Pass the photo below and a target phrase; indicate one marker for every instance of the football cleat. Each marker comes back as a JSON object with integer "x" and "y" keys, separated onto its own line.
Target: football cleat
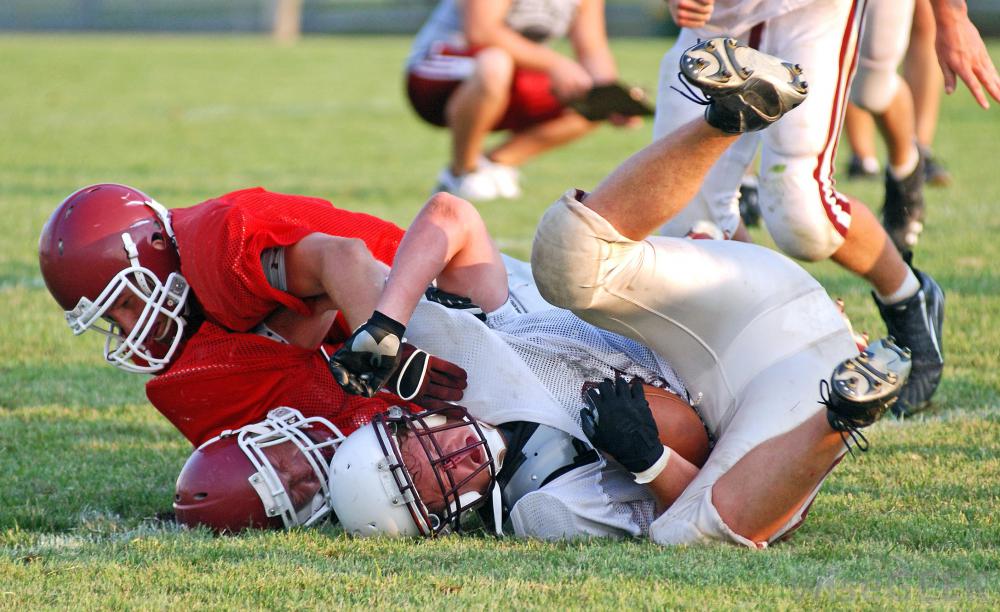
{"x": 745, "y": 90}
{"x": 750, "y": 200}
{"x": 863, "y": 387}
{"x": 506, "y": 178}
{"x": 863, "y": 169}
{"x": 934, "y": 173}
{"x": 917, "y": 324}
{"x": 903, "y": 210}
{"x": 475, "y": 186}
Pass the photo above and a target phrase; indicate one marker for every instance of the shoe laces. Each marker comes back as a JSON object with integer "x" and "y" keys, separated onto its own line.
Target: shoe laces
{"x": 844, "y": 426}
{"x": 690, "y": 94}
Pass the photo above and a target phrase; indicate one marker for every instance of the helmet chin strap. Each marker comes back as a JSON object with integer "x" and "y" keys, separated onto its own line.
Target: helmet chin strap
{"x": 498, "y": 448}
{"x": 162, "y": 214}
{"x": 132, "y": 252}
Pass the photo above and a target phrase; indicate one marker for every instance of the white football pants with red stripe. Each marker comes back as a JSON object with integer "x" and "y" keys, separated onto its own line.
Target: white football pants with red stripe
{"x": 805, "y": 215}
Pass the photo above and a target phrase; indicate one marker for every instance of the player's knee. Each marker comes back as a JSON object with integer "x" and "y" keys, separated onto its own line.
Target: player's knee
{"x": 800, "y": 221}
{"x": 874, "y": 89}
{"x": 494, "y": 69}
{"x": 565, "y": 258}
{"x": 806, "y": 244}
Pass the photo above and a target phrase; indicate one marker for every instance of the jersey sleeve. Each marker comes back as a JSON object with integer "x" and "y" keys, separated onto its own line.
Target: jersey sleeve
{"x": 225, "y": 380}
{"x": 220, "y": 242}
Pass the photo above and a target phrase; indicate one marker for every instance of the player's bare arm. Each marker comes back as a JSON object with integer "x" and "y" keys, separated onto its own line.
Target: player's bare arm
{"x": 691, "y": 13}
{"x": 962, "y": 54}
{"x": 306, "y": 332}
{"x": 447, "y": 242}
{"x": 343, "y": 269}
{"x": 485, "y": 27}
{"x": 590, "y": 42}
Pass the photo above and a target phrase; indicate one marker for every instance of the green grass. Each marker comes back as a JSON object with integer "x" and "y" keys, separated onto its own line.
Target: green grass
{"x": 88, "y": 465}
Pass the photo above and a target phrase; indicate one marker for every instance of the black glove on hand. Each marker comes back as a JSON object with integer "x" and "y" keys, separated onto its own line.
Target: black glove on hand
{"x": 451, "y": 300}
{"x": 426, "y": 380}
{"x": 618, "y": 422}
{"x": 369, "y": 357}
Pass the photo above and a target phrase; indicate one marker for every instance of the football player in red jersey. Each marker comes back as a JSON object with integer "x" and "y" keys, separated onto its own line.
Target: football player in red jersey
{"x": 227, "y": 301}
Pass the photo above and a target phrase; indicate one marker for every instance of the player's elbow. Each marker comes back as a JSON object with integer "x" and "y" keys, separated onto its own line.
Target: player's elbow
{"x": 449, "y": 210}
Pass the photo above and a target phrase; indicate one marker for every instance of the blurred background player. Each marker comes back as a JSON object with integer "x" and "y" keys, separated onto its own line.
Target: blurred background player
{"x": 922, "y": 74}
{"x": 479, "y": 66}
{"x": 879, "y": 90}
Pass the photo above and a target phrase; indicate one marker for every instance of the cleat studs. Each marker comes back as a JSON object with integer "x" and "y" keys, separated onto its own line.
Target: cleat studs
{"x": 731, "y": 42}
{"x": 797, "y": 68}
{"x": 746, "y": 72}
{"x": 710, "y": 45}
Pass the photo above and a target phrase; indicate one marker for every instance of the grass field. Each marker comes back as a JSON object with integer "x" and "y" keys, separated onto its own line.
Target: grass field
{"x": 88, "y": 466}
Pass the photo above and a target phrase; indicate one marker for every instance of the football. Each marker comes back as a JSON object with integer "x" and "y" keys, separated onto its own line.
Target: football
{"x": 679, "y": 425}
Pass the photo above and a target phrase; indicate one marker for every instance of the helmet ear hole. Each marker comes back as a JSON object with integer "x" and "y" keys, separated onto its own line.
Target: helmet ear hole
{"x": 200, "y": 496}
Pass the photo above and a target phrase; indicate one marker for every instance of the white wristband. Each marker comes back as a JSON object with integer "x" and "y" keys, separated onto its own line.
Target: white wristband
{"x": 650, "y": 474}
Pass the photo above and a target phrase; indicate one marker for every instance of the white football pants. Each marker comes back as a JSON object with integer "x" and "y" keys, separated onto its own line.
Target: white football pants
{"x": 749, "y": 331}
{"x": 805, "y": 215}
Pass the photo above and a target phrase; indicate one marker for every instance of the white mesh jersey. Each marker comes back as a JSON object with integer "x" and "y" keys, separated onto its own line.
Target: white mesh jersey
{"x": 531, "y": 366}
{"x": 537, "y": 20}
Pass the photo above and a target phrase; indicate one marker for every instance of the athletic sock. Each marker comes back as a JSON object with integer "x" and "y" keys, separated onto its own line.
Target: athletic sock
{"x": 901, "y": 172}
{"x": 909, "y": 288}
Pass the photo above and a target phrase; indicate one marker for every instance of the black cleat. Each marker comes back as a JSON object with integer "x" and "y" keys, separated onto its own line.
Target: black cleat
{"x": 934, "y": 173}
{"x": 857, "y": 170}
{"x": 745, "y": 90}
{"x": 903, "y": 210}
{"x": 749, "y": 201}
{"x": 863, "y": 387}
{"x": 917, "y": 324}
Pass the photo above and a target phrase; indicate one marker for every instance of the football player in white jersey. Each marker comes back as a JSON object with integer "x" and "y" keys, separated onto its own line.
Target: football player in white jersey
{"x": 751, "y": 334}
{"x": 807, "y": 217}
{"x": 878, "y": 89}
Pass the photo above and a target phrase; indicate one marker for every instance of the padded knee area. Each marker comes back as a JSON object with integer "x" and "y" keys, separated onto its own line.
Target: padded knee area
{"x": 874, "y": 87}
{"x": 797, "y": 217}
{"x": 570, "y": 243}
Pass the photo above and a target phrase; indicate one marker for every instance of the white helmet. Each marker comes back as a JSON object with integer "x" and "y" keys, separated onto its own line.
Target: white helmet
{"x": 373, "y": 492}
{"x": 230, "y": 483}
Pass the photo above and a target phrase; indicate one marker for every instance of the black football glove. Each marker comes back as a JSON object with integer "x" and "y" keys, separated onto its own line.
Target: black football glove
{"x": 426, "y": 380}
{"x": 618, "y": 422}
{"x": 458, "y": 302}
{"x": 369, "y": 357}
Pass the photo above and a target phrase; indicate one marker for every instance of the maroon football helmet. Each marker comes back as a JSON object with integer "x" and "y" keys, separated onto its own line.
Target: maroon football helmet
{"x": 267, "y": 475}
{"x": 106, "y": 239}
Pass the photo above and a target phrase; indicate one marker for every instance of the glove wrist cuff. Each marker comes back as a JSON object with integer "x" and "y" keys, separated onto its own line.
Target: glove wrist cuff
{"x": 650, "y": 473}
{"x": 387, "y": 324}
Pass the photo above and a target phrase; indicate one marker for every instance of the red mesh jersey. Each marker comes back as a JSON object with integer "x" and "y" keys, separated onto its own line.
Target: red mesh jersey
{"x": 224, "y": 380}
{"x": 220, "y": 242}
